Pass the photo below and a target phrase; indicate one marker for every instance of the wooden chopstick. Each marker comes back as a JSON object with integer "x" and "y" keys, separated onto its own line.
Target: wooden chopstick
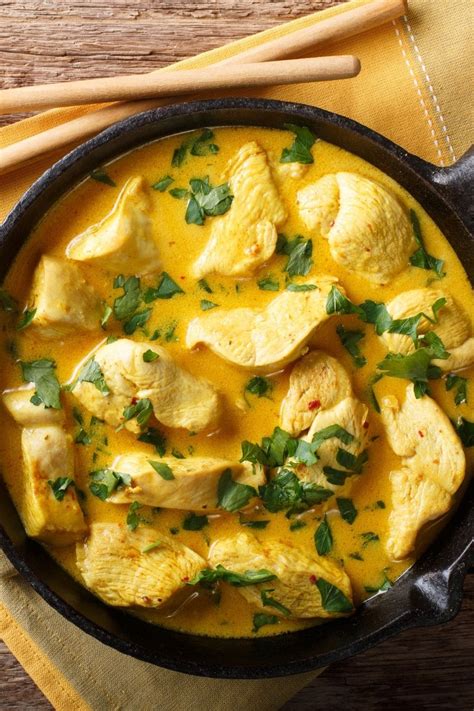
{"x": 187, "y": 81}
{"x": 337, "y": 27}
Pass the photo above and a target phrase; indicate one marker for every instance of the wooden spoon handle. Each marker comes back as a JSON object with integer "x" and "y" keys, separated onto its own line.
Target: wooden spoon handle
{"x": 191, "y": 81}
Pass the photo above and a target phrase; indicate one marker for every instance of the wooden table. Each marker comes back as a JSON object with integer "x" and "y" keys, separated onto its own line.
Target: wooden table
{"x": 40, "y": 41}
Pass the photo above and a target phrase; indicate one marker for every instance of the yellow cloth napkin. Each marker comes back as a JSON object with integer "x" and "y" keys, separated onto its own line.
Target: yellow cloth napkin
{"x": 413, "y": 88}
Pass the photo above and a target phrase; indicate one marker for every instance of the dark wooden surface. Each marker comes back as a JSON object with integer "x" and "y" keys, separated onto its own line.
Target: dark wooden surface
{"x": 429, "y": 669}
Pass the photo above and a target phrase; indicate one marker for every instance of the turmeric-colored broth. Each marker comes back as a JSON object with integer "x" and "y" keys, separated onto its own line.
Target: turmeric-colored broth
{"x": 180, "y": 244}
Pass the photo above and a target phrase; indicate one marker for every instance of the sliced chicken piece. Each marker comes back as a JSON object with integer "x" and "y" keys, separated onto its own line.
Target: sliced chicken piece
{"x": 193, "y": 488}
{"x": 179, "y": 399}
{"x": 124, "y": 241}
{"x": 433, "y": 467}
{"x": 368, "y": 230}
{"x": 317, "y": 382}
{"x": 64, "y": 301}
{"x": 289, "y": 171}
{"x": 19, "y": 405}
{"x": 47, "y": 456}
{"x": 264, "y": 339}
{"x": 297, "y": 574}
{"x": 351, "y": 415}
{"x": 116, "y": 566}
{"x": 453, "y": 326}
{"x": 245, "y": 237}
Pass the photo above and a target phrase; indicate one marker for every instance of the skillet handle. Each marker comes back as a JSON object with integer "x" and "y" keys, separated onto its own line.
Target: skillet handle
{"x": 455, "y": 183}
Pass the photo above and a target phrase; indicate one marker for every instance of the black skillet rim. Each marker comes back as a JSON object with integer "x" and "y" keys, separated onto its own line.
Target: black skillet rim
{"x": 430, "y": 593}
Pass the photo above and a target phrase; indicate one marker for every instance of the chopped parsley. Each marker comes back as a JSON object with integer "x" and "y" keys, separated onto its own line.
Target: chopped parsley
{"x": 100, "y": 175}
{"x": 300, "y": 149}
{"x": 299, "y": 252}
{"x": 166, "y": 289}
{"x": 260, "y": 619}
{"x": 156, "y": 438}
{"x": 231, "y": 495}
{"x": 193, "y": 522}
{"x": 268, "y": 283}
{"x": 369, "y": 537}
{"x": 385, "y": 585}
{"x": 286, "y": 492}
{"x": 333, "y": 599}
{"x": 47, "y": 388}
{"x": 149, "y": 356}
{"x": 196, "y": 146}
{"x": 134, "y": 519}
{"x": 7, "y": 302}
{"x": 126, "y": 306}
{"x": 163, "y": 183}
{"x": 297, "y": 525}
{"x": 460, "y": 385}
{"x": 414, "y": 366}
{"x": 141, "y": 410}
{"x": 323, "y": 539}
{"x": 163, "y": 469}
{"x": 206, "y": 305}
{"x": 204, "y": 200}
{"x": 421, "y": 258}
{"x": 301, "y": 287}
{"x": 26, "y": 319}
{"x": 60, "y": 485}
{"x": 259, "y": 386}
{"x": 203, "y": 284}
{"x": 209, "y": 577}
{"x": 268, "y": 601}
{"x": 106, "y": 314}
{"x": 465, "y": 430}
{"x": 259, "y": 524}
{"x": 347, "y": 509}
{"x": 152, "y": 546}
{"x": 105, "y": 481}
{"x": 350, "y": 340}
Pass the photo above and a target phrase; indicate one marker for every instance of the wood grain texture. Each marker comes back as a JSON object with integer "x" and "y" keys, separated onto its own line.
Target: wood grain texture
{"x": 42, "y": 41}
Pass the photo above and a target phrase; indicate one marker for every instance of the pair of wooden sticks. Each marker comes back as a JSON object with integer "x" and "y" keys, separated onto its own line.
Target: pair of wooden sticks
{"x": 262, "y": 65}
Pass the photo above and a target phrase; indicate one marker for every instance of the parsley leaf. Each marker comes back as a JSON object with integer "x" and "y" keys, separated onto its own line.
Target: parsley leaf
{"x": 126, "y": 305}
{"x": 208, "y": 577}
{"x": 193, "y": 522}
{"x": 465, "y": 430}
{"x": 414, "y": 366}
{"x": 60, "y": 485}
{"x": 141, "y": 410}
{"x": 333, "y": 599}
{"x": 260, "y": 524}
{"x": 260, "y": 619}
{"x": 138, "y": 320}
{"x": 163, "y": 469}
{"x": 286, "y": 491}
{"x": 196, "y": 146}
{"x": 231, "y": 495}
{"x": 421, "y": 258}
{"x": 350, "y": 461}
{"x": 299, "y": 252}
{"x": 301, "y": 287}
{"x": 337, "y": 303}
{"x": 7, "y": 302}
{"x": 369, "y": 537}
{"x": 163, "y": 183}
{"x": 259, "y": 386}
{"x": 133, "y": 518}
{"x": 332, "y": 431}
{"x": 347, "y": 509}
{"x": 92, "y": 373}
{"x": 300, "y": 149}
{"x": 166, "y": 289}
{"x": 101, "y": 176}
{"x": 460, "y": 383}
{"x": 385, "y": 585}
{"x": 349, "y": 340}
{"x": 149, "y": 356}
{"x": 206, "y": 305}
{"x": 204, "y": 200}
{"x": 323, "y": 539}
{"x": 268, "y": 601}
{"x": 105, "y": 481}
{"x": 156, "y": 438}
{"x": 268, "y": 283}
{"x": 202, "y": 283}
{"x": 26, "y": 319}
{"x": 47, "y": 388}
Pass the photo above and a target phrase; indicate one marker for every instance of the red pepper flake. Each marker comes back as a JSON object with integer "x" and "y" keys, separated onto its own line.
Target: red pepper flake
{"x": 421, "y": 433}
{"x": 314, "y": 404}
{"x": 365, "y": 425}
{"x": 134, "y": 400}
{"x": 182, "y": 277}
{"x": 312, "y": 579}
{"x": 185, "y": 579}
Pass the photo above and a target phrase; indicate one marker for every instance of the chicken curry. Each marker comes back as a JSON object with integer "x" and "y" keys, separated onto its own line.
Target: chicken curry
{"x": 238, "y": 367}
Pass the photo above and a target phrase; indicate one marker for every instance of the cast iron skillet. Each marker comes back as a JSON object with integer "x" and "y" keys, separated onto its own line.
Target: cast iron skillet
{"x": 428, "y": 594}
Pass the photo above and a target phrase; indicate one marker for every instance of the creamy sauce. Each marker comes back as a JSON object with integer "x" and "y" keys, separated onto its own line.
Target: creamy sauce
{"x": 180, "y": 244}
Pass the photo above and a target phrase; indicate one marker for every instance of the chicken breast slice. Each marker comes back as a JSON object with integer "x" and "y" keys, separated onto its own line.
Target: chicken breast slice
{"x": 194, "y": 487}
{"x": 297, "y": 574}
{"x": 48, "y": 455}
{"x": 264, "y": 339}
{"x": 368, "y": 230}
{"x": 245, "y": 237}
{"x": 351, "y": 415}
{"x": 178, "y": 398}
{"x": 116, "y": 566}
{"x": 124, "y": 240}
{"x": 19, "y": 405}
{"x": 317, "y": 382}
{"x": 433, "y": 467}
{"x": 65, "y": 303}
{"x": 453, "y": 326}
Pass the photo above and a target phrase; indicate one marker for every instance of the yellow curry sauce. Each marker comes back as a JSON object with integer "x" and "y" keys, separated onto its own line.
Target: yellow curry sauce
{"x": 180, "y": 244}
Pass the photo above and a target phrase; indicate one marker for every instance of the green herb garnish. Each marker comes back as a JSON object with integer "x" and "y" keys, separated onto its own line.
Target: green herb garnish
{"x": 163, "y": 469}
{"x": 209, "y": 577}
{"x": 347, "y": 509}
{"x": 300, "y": 149}
{"x": 193, "y": 522}
{"x": 231, "y": 495}
{"x": 421, "y": 258}
{"x": 299, "y": 252}
{"x": 259, "y": 386}
{"x": 156, "y": 438}
{"x": 101, "y": 176}
{"x": 47, "y": 388}
{"x": 105, "y": 481}
{"x": 460, "y": 384}
{"x": 60, "y": 485}
{"x": 333, "y": 599}
{"x": 26, "y": 319}
{"x": 166, "y": 289}
{"x": 350, "y": 340}
{"x": 323, "y": 539}
{"x": 163, "y": 183}
{"x": 141, "y": 410}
